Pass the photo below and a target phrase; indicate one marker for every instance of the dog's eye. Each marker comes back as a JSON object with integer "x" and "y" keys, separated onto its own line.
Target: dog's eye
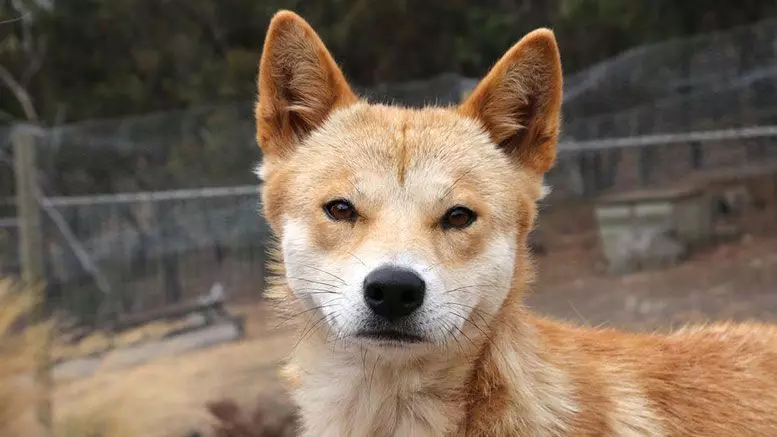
{"x": 340, "y": 210}
{"x": 458, "y": 217}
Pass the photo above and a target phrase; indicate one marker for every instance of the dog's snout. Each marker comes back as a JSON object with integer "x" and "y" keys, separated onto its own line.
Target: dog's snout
{"x": 393, "y": 293}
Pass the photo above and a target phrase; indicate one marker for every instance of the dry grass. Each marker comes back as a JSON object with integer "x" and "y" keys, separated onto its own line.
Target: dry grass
{"x": 167, "y": 397}
{"x": 20, "y": 352}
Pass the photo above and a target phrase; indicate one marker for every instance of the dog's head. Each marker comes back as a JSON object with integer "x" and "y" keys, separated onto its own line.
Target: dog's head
{"x": 399, "y": 226}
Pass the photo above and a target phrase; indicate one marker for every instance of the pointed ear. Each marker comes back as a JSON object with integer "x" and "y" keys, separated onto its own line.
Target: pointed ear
{"x": 519, "y": 101}
{"x": 299, "y": 85}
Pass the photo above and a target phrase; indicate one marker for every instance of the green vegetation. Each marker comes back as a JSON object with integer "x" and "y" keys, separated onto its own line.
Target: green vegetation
{"x": 101, "y": 58}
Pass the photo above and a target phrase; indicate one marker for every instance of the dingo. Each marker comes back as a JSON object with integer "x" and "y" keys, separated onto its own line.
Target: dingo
{"x": 403, "y": 245}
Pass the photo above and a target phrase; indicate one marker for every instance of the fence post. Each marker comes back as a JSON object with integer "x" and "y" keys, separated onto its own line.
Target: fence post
{"x": 644, "y": 165}
{"x": 31, "y": 242}
{"x": 28, "y": 204}
{"x": 697, "y": 155}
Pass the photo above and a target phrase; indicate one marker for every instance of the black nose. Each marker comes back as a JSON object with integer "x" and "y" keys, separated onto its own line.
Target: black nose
{"x": 392, "y": 292}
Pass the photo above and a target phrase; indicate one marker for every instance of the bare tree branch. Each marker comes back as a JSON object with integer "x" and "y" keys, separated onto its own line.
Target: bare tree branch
{"x": 36, "y": 61}
{"x": 15, "y": 19}
{"x": 21, "y": 94}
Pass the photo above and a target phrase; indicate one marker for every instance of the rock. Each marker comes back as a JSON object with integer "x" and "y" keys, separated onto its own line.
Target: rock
{"x": 646, "y": 248}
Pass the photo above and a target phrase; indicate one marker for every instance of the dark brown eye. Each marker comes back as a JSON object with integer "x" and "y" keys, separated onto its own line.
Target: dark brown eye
{"x": 458, "y": 217}
{"x": 340, "y": 210}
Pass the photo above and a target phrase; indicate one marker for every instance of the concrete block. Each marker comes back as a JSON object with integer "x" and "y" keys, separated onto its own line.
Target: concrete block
{"x": 652, "y": 229}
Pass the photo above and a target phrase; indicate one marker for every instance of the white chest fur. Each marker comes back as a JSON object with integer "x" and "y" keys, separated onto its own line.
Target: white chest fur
{"x": 359, "y": 395}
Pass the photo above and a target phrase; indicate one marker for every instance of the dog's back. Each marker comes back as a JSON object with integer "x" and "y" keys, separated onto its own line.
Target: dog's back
{"x": 717, "y": 380}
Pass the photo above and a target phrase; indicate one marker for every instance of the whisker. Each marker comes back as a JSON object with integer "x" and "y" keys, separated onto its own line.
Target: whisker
{"x": 468, "y": 286}
{"x": 577, "y": 312}
{"x": 309, "y": 331}
{"x": 456, "y": 338}
{"x": 453, "y": 185}
{"x": 473, "y": 310}
{"x": 372, "y": 376}
{"x": 364, "y": 361}
{"x": 357, "y": 258}
{"x": 318, "y": 290}
{"x": 337, "y": 336}
{"x": 306, "y": 326}
{"x": 294, "y": 316}
{"x": 326, "y": 273}
{"x": 450, "y": 334}
{"x": 358, "y": 191}
{"x": 461, "y": 331}
{"x": 466, "y": 320}
{"x": 312, "y": 281}
{"x": 431, "y": 267}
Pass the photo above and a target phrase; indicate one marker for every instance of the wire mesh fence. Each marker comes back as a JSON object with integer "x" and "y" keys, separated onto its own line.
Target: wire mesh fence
{"x": 143, "y": 211}
{"x": 155, "y": 249}
{"x": 588, "y": 169}
{"x": 710, "y": 81}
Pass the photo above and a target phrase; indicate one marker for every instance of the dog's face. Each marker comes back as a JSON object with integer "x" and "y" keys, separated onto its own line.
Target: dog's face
{"x": 400, "y": 227}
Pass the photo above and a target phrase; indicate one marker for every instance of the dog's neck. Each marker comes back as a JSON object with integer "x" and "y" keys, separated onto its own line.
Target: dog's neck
{"x": 353, "y": 391}
{"x": 348, "y": 390}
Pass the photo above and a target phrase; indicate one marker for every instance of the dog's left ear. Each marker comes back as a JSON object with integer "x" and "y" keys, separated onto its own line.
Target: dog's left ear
{"x": 519, "y": 101}
{"x": 299, "y": 85}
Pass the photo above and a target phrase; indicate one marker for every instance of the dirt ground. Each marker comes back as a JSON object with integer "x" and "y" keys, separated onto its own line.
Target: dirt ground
{"x": 732, "y": 281}
{"x": 167, "y": 397}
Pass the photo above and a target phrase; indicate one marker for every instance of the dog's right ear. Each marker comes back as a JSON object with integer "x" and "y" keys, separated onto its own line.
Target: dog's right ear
{"x": 299, "y": 85}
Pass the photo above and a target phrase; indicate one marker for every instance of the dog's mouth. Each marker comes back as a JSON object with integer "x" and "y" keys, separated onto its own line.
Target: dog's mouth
{"x": 390, "y": 337}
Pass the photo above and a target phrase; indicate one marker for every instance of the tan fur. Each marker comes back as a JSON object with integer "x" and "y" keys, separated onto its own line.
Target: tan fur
{"x": 502, "y": 371}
